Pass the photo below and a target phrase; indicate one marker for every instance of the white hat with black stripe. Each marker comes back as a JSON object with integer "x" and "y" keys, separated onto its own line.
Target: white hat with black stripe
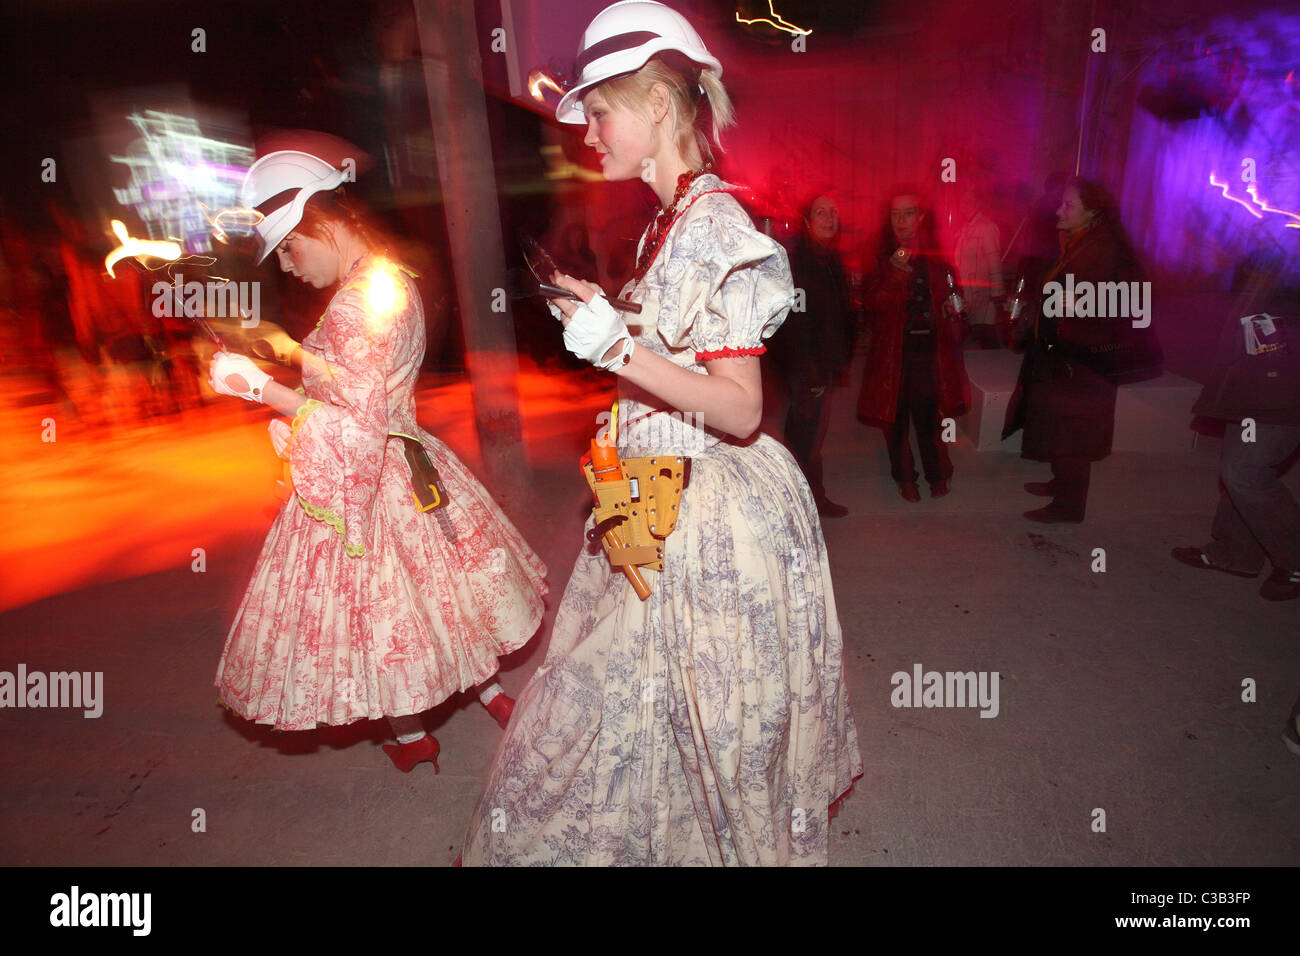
{"x": 621, "y": 39}
{"x": 278, "y": 186}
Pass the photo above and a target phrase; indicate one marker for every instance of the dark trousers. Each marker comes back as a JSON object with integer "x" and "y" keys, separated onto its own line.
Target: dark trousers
{"x": 805, "y": 431}
{"x": 918, "y": 404}
{"x": 1070, "y": 480}
{"x": 1257, "y": 518}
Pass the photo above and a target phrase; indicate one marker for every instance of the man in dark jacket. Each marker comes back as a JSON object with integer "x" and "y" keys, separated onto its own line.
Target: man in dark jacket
{"x": 1255, "y": 391}
{"x": 814, "y": 345}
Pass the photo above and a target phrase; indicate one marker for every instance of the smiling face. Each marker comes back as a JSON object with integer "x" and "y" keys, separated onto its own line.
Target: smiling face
{"x": 312, "y": 260}
{"x": 1072, "y": 215}
{"x": 621, "y": 136}
{"x": 823, "y": 220}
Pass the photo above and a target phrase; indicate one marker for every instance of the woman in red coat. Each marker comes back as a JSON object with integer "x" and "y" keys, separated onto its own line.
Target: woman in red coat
{"x": 914, "y": 369}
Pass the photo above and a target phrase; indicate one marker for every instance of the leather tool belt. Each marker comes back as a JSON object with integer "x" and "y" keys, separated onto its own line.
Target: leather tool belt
{"x": 642, "y": 507}
{"x": 426, "y": 485}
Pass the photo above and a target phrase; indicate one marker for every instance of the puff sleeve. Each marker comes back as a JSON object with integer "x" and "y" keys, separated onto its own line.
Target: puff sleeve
{"x": 725, "y": 286}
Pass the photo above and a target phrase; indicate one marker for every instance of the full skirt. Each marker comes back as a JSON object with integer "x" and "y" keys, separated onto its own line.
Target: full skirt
{"x": 437, "y": 597}
{"x": 706, "y": 725}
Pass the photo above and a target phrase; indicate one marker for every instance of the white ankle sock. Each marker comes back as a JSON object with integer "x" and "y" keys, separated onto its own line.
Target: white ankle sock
{"x": 405, "y": 739}
{"x": 485, "y": 696}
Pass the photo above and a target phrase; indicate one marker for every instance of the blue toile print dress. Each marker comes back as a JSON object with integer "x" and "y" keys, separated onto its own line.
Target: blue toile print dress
{"x": 709, "y": 724}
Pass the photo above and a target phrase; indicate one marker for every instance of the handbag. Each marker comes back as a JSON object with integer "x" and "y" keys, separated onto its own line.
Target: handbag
{"x": 1269, "y": 379}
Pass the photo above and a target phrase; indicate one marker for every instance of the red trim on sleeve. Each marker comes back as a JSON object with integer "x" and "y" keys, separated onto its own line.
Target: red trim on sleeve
{"x": 729, "y": 353}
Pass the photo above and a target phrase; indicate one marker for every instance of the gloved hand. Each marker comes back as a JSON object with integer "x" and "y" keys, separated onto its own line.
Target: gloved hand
{"x": 596, "y": 328}
{"x": 231, "y": 374}
{"x": 280, "y": 432}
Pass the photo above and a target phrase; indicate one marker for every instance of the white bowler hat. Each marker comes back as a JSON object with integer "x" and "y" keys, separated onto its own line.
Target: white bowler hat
{"x": 621, "y": 39}
{"x": 278, "y": 186}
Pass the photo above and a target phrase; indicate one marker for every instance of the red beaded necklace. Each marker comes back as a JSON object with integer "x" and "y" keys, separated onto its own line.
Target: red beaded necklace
{"x": 664, "y": 220}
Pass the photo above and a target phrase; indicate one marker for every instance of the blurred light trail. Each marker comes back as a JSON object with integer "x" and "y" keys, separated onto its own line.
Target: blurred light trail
{"x": 1241, "y": 202}
{"x": 785, "y": 26}
{"x": 131, "y": 247}
{"x": 1253, "y": 189}
{"x": 539, "y": 79}
{"x": 102, "y": 504}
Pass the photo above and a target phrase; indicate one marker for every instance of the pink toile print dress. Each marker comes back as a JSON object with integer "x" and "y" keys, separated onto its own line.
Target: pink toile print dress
{"x": 361, "y": 606}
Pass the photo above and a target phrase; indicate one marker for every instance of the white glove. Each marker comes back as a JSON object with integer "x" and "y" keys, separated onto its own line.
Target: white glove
{"x": 280, "y": 432}
{"x": 227, "y": 364}
{"x": 596, "y": 328}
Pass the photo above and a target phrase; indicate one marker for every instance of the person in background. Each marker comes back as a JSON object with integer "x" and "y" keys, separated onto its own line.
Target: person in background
{"x": 815, "y": 344}
{"x": 1257, "y": 398}
{"x": 914, "y": 375}
{"x": 978, "y": 255}
{"x": 1065, "y": 397}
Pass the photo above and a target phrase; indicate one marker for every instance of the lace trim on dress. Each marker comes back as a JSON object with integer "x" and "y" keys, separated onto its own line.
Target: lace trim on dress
{"x": 300, "y": 419}
{"x": 729, "y": 353}
{"x": 334, "y": 521}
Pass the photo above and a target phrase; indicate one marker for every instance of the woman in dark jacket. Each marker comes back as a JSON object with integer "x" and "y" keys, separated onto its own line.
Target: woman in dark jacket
{"x": 1066, "y": 394}
{"x": 914, "y": 369}
{"x": 815, "y": 344}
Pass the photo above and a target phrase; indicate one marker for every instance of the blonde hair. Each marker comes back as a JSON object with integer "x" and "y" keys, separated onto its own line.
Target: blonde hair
{"x": 681, "y": 80}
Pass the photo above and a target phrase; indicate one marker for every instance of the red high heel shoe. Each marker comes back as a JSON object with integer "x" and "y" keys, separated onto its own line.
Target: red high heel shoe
{"x": 406, "y": 756}
{"x": 501, "y": 707}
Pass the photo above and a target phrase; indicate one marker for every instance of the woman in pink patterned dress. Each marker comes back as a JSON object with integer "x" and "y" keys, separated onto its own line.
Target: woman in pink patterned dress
{"x": 363, "y": 606}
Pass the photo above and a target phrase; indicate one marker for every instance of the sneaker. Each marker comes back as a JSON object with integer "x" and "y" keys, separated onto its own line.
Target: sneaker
{"x": 909, "y": 491}
{"x": 1282, "y": 585}
{"x": 940, "y": 488}
{"x": 1196, "y": 558}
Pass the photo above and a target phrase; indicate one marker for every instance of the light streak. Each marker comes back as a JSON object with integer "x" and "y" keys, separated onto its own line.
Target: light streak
{"x": 785, "y": 25}
{"x": 1241, "y": 202}
{"x": 153, "y": 248}
{"x": 558, "y": 167}
{"x": 238, "y": 219}
{"x": 538, "y": 79}
{"x": 1253, "y": 189}
{"x": 175, "y": 169}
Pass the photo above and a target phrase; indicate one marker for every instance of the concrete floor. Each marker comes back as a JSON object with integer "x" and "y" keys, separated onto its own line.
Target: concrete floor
{"x": 1119, "y": 691}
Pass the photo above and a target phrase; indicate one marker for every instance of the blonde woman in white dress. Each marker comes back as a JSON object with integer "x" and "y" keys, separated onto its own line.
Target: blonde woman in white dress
{"x": 708, "y": 723}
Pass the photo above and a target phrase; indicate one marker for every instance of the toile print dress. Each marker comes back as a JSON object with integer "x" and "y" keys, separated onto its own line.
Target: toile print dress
{"x": 709, "y": 724}
{"x": 361, "y": 606}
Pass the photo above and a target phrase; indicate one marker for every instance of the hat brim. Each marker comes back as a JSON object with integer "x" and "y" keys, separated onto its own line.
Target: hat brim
{"x": 277, "y": 224}
{"x": 272, "y": 230}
